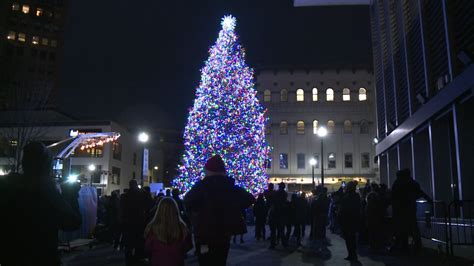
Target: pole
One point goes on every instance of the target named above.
(313, 177)
(322, 163)
(143, 167)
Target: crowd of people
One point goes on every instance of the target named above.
(163, 228)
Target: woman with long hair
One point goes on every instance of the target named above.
(167, 237)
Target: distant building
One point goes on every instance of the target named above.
(115, 163)
(424, 77)
(167, 151)
(31, 41)
(301, 101)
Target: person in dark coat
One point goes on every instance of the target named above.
(277, 216)
(260, 213)
(113, 214)
(349, 217)
(299, 215)
(215, 205)
(269, 194)
(320, 214)
(34, 210)
(405, 192)
(375, 214)
(133, 209)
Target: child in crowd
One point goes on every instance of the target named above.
(167, 237)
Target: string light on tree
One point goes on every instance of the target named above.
(226, 118)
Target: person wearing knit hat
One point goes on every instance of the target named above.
(214, 166)
(215, 204)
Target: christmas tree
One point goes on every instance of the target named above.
(226, 119)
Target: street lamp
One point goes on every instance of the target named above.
(91, 167)
(313, 162)
(143, 138)
(322, 132)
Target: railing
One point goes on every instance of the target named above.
(448, 224)
(433, 222)
(460, 220)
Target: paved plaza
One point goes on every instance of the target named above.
(257, 253)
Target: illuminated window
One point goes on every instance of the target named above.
(331, 126)
(54, 43)
(346, 94)
(25, 9)
(15, 6)
(11, 35)
(364, 127)
(300, 95)
(284, 95)
(329, 95)
(348, 160)
(283, 128)
(267, 96)
(347, 127)
(300, 127)
(39, 12)
(35, 40)
(332, 160)
(283, 161)
(315, 126)
(44, 41)
(315, 95)
(21, 37)
(362, 94)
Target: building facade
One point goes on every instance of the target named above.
(115, 164)
(31, 41)
(298, 102)
(424, 77)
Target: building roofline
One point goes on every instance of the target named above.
(334, 66)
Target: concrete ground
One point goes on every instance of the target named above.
(257, 253)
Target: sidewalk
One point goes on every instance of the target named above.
(257, 253)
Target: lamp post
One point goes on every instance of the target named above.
(91, 168)
(313, 162)
(143, 138)
(322, 132)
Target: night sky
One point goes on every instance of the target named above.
(138, 62)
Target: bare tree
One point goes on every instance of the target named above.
(21, 104)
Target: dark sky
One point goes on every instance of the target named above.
(137, 62)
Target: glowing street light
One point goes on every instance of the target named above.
(72, 178)
(143, 137)
(91, 167)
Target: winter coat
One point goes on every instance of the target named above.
(278, 212)
(32, 214)
(163, 254)
(260, 210)
(133, 212)
(349, 212)
(215, 205)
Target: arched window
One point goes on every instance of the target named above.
(283, 128)
(329, 95)
(362, 94)
(267, 96)
(300, 95)
(300, 127)
(364, 127)
(284, 95)
(315, 94)
(347, 127)
(331, 126)
(315, 126)
(346, 94)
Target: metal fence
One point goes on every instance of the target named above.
(447, 224)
